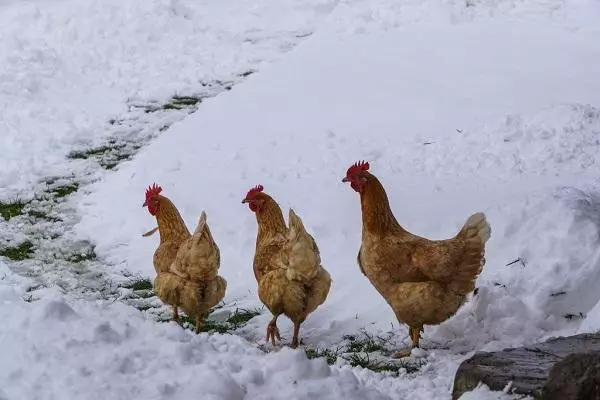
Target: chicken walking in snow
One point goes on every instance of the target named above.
(424, 281)
(186, 264)
(287, 265)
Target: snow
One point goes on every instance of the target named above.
(460, 107)
(78, 62)
(115, 349)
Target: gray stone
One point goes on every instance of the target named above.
(571, 361)
(576, 377)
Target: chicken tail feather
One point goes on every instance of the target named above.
(475, 233)
(304, 257)
(198, 258)
(201, 223)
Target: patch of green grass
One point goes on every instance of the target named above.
(236, 320)
(171, 106)
(364, 361)
(363, 343)
(85, 154)
(186, 100)
(42, 215)
(329, 355)
(213, 326)
(12, 208)
(88, 255)
(139, 284)
(64, 190)
(209, 325)
(358, 351)
(108, 155)
(114, 161)
(18, 253)
(241, 316)
(143, 307)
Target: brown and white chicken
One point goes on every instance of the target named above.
(287, 265)
(186, 264)
(424, 281)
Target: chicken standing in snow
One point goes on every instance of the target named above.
(287, 265)
(424, 281)
(186, 265)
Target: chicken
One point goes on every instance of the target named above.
(186, 264)
(424, 281)
(287, 265)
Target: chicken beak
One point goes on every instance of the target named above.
(346, 179)
(145, 204)
(245, 201)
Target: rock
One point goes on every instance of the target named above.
(576, 377)
(572, 363)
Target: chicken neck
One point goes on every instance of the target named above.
(270, 220)
(377, 216)
(170, 223)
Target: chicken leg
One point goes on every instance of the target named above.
(415, 337)
(199, 324)
(273, 330)
(176, 315)
(296, 333)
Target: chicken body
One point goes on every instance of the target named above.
(186, 265)
(424, 281)
(287, 267)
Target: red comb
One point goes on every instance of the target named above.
(356, 167)
(255, 189)
(152, 191)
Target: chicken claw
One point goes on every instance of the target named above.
(273, 331)
(403, 353)
(415, 337)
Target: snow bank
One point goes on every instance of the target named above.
(78, 62)
(80, 350)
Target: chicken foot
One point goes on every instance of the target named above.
(273, 330)
(415, 337)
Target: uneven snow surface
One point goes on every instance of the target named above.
(459, 106)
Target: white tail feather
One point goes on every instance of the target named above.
(201, 223)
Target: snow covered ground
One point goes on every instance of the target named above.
(78, 62)
(459, 106)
